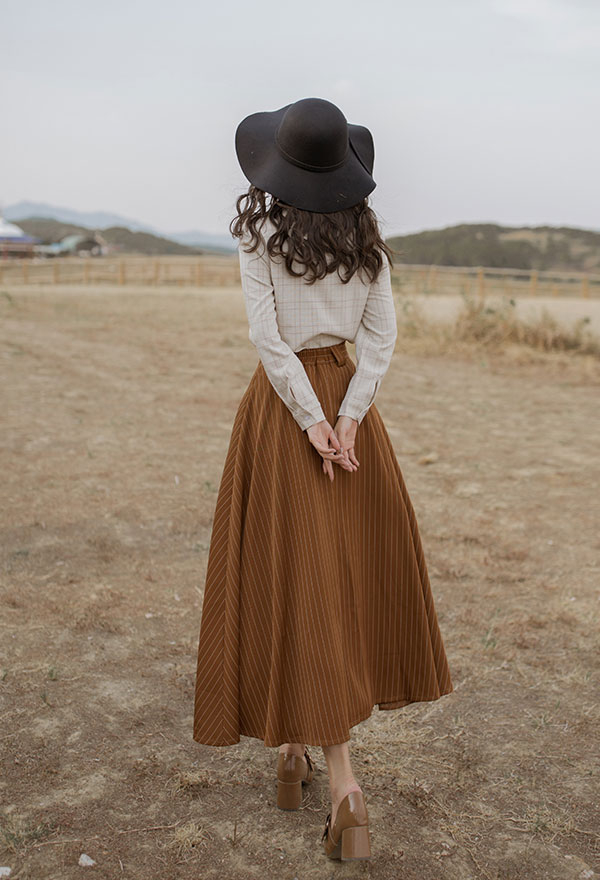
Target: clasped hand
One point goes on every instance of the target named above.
(335, 445)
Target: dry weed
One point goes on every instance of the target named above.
(497, 326)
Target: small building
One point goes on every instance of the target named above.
(79, 244)
(14, 242)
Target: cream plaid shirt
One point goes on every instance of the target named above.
(285, 314)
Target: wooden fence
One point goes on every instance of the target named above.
(205, 271)
(480, 281)
(130, 270)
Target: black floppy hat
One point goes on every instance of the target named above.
(307, 155)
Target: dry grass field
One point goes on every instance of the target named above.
(117, 406)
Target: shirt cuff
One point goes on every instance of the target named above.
(355, 406)
(305, 421)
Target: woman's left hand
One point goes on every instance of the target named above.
(324, 439)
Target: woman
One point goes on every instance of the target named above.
(317, 602)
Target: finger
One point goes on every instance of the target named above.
(325, 450)
(344, 456)
(334, 440)
(342, 462)
(353, 458)
(337, 452)
(329, 469)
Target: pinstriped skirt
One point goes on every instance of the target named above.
(317, 603)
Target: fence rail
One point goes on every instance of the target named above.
(129, 270)
(204, 271)
(481, 280)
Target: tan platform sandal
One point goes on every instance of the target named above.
(349, 837)
(292, 772)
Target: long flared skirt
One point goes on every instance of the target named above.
(317, 601)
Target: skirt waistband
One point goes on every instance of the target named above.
(337, 353)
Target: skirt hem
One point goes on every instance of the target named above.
(385, 706)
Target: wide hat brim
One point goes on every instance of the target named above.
(319, 191)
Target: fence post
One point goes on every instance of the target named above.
(199, 272)
(121, 271)
(25, 272)
(534, 282)
(86, 271)
(585, 287)
(480, 283)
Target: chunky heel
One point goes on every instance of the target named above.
(355, 843)
(289, 795)
(292, 772)
(349, 836)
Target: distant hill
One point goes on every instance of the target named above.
(120, 237)
(561, 248)
(486, 244)
(214, 242)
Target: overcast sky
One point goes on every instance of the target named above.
(481, 110)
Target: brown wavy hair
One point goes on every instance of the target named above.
(351, 236)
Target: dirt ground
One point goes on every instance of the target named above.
(116, 411)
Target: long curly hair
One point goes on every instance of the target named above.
(350, 237)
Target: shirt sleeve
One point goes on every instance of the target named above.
(283, 367)
(375, 341)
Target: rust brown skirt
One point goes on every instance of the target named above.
(317, 602)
